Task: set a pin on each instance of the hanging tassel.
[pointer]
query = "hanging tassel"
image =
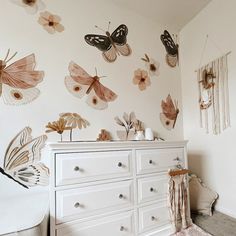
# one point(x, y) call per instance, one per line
point(217, 110)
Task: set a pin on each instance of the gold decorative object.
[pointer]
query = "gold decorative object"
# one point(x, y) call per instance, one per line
point(104, 136)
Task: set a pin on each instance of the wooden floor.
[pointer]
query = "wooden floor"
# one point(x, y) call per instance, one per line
point(217, 225)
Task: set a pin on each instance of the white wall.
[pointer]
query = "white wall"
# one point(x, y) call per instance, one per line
point(21, 32)
point(211, 157)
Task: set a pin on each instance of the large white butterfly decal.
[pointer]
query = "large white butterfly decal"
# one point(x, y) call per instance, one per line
point(80, 83)
point(21, 162)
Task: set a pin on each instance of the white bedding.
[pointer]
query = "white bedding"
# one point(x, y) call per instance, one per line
point(24, 215)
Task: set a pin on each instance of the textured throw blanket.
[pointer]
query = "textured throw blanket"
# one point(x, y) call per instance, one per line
point(179, 208)
point(178, 202)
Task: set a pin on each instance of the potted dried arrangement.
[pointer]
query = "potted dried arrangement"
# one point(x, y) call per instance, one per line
point(128, 124)
point(139, 130)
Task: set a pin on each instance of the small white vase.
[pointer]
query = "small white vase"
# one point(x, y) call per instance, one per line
point(149, 134)
point(139, 135)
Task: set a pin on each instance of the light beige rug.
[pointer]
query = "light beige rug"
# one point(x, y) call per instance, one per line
point(193, 230)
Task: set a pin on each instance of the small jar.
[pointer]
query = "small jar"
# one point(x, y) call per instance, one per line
point(149, 134)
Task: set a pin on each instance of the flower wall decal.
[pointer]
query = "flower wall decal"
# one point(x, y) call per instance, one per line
point(74, 121)
point(31, 6)
point(50, 22)
point(152, 65)
point(141, 79)
point(58, 126)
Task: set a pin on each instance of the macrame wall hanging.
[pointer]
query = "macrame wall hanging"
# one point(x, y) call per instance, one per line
point(214, 93)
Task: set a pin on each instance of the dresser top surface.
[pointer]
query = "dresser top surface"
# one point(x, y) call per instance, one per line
point(114, 144)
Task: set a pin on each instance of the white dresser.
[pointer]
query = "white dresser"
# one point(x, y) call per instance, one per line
point(112, 188)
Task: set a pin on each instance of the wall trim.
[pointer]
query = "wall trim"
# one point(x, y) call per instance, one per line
point(226, 211)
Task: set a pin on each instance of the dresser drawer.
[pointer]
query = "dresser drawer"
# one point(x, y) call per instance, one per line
point(153, 216)
point(81, 167)
point(152, 188)
point(87, 201)
point(158, 160)
point(117, 225)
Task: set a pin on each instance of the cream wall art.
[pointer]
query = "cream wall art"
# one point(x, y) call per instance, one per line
point(18, 80)
point(80, 83)
point(170, 112)
point(21, 161)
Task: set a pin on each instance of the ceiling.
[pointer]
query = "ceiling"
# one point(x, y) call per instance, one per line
point(171, 13)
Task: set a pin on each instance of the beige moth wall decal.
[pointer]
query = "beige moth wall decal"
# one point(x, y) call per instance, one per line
point(21, 161)
point(169, 113)
point(111, 45)
point(18, 81)
point(80, 83)
point(172, 49)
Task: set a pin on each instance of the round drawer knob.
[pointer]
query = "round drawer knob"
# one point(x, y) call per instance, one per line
point(121, 196)
point(76, 168)
point(150, 162)
point(153, 218)
point(120, 164)
point(151, 189)
point(177, 159)
point(77, 205)
point(122, 228)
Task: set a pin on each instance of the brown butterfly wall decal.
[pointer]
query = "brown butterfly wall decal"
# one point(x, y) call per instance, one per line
point(111, 45)
point(169, 113)
point(80, 83)
point(19, 79)
point(21, 161)
point(172, 49)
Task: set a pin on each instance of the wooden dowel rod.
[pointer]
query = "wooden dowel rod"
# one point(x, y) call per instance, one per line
point(226, 54)
point(178, 172)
